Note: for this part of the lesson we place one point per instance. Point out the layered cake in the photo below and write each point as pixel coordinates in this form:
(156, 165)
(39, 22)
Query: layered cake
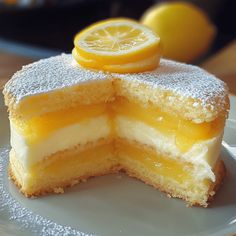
(162, 126)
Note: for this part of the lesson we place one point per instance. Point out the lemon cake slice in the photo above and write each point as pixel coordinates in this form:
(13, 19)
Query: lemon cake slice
(70, 122)
(164, 127)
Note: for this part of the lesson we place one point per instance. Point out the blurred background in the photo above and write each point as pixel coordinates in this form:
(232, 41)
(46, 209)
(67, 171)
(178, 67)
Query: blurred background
(36, 29)
(53, 23)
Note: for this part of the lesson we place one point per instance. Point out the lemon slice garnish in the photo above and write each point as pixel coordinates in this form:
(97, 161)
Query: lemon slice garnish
(117, 45)
(147, 64)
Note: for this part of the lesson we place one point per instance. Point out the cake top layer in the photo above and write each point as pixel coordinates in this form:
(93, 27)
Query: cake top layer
(47, 75)
(184, 81)
(62, 71)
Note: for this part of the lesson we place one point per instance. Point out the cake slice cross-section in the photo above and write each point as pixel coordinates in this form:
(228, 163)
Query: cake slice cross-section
(163, 127)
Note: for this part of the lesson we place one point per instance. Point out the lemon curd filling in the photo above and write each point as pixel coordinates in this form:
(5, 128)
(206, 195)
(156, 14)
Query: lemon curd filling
(186, 132)
(155, 162)
(75, 162)
(37, 128)
(89, 160)
(67, 167)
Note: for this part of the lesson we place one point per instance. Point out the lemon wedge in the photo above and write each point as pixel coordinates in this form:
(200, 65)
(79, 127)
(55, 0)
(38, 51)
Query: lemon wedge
(117, 45)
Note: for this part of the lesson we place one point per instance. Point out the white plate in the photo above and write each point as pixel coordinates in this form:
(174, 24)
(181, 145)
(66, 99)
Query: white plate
(114, 205)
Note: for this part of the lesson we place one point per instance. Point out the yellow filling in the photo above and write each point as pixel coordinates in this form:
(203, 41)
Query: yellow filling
(68, 163)
(186, 132)
(156, 163)
(88, 161)
(40, 127)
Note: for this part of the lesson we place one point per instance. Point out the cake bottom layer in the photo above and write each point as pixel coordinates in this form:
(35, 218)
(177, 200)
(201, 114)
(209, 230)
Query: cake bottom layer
(63, 169)
(71, 166)
(168, 175)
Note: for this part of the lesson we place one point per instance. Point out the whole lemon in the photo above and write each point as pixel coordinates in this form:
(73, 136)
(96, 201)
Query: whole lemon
(186, 32)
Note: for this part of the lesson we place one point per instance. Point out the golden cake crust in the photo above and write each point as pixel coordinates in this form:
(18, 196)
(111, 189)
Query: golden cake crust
(179, 88)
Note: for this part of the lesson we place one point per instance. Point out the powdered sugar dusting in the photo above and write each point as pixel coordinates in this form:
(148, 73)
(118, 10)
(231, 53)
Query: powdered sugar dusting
(22, 217)
(47, 75)
(185, 80)
(62, 71)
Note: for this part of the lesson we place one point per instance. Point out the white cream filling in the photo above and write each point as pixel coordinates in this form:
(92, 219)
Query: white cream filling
(64, 138)
(203, 154)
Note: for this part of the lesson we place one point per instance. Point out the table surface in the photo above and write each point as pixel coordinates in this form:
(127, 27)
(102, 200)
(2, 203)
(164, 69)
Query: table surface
(223, 65)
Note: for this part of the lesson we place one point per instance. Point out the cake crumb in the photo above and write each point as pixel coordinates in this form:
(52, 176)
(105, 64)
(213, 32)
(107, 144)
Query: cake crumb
(58, 190)
(188, 205)
(168, 195)
(212, 193)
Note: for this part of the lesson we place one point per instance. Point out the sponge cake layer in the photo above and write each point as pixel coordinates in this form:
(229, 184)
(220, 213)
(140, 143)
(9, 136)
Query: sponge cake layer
(53, 83)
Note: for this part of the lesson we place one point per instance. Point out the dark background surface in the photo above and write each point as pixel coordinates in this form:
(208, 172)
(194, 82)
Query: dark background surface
(54, 24)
